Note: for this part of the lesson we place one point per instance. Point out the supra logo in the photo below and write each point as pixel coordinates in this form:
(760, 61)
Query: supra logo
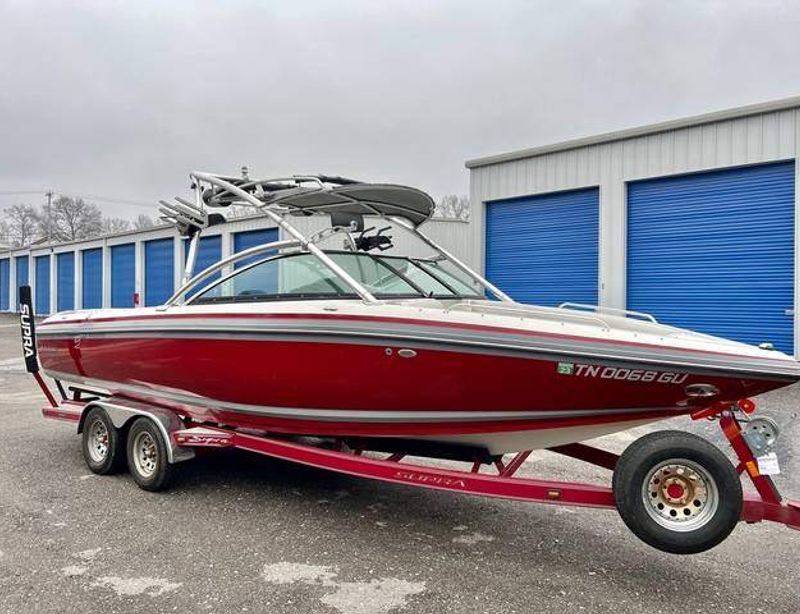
(27, 330)
(621, 374)
(434, 480)
(204, 440)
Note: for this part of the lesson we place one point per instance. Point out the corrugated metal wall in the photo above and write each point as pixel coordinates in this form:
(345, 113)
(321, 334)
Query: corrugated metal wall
(92, 278)
(42, 285)
(252, 238)
(5, 283)
(159, 259)
(123, 275)
(714, 252)
(65, 281)
(127, 254)
(209, 251)
(754, 139)
(22, 264)
(543, 249)
(743, 141)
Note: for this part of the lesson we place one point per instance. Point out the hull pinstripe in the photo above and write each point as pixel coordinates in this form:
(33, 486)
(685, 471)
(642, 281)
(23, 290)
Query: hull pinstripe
(343, 375)
(537, 347)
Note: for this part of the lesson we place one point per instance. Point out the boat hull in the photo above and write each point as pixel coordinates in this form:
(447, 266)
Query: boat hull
(372, 383)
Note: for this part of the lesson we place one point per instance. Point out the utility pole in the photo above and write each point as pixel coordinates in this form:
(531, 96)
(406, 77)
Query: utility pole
(49, 195)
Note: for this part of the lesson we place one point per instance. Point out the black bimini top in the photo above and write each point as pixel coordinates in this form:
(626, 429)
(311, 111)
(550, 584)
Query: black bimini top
(323, 194)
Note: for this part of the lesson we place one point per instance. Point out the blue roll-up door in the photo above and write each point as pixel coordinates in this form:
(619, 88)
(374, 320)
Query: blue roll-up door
(5, 284)
(42, 286)
(23, 263)
(209, 252)
(92, 278)
(543, 249)
(251, 238)
(159, 266)
(123, 275)
(266, 279)
(65, 281)
(714, 252)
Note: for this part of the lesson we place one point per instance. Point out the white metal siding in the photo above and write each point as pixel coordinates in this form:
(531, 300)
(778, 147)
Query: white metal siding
(767, 137)
(452, 235)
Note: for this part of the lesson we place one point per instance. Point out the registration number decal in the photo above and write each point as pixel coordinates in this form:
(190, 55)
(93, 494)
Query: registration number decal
(620, 373)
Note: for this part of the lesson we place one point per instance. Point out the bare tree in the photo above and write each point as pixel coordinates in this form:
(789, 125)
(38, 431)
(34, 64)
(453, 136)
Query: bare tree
(67, 219)
(143, 222)
(21, 224)
(71, 219)
(5, 234)
(452, 206)
(113, 225)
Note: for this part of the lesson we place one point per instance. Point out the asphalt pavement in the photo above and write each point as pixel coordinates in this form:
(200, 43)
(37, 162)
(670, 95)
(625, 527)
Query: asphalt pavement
(242, 533)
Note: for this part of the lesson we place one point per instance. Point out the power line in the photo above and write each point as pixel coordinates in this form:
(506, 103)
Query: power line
(49, 195)
(107, 199)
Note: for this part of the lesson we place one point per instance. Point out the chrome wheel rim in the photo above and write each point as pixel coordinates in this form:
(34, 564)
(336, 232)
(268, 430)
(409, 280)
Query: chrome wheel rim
(145, 454)
(98, 441)
(680, 495)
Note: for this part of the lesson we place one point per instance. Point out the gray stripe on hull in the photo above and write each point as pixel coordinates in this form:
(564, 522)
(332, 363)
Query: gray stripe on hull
(440, 340)
(360, 415)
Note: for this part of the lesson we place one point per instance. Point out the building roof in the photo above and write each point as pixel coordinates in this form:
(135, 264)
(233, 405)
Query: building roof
(618, 135)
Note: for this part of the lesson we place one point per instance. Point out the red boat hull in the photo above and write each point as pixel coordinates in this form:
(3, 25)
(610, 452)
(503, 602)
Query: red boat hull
(308, 387)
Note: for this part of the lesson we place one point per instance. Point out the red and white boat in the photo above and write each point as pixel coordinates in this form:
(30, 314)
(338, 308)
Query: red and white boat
(402, 348)
(388, 352)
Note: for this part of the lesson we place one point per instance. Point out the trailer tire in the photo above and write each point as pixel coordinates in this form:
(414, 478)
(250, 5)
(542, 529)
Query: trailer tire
(102, 443)
(147, 456)
(677, 492)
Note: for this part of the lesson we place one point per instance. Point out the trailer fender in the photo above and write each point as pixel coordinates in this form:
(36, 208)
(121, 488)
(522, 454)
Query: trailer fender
(122, 411)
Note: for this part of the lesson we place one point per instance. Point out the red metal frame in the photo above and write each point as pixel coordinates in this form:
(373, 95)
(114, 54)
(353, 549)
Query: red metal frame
(766, 506)
(388, 470)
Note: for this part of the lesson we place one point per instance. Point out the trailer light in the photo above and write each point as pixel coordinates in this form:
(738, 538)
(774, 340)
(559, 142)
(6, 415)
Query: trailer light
(748, 406)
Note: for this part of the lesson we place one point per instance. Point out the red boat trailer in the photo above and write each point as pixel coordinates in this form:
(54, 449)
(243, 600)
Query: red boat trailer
(503, 483)
(674, 490)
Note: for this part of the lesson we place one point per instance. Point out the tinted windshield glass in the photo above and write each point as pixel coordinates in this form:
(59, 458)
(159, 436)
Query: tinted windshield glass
(374, 275)
(451, 276)
(300, 276)
(430, 286)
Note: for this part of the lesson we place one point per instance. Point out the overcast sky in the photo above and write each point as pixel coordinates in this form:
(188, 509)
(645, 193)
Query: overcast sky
(123, 99)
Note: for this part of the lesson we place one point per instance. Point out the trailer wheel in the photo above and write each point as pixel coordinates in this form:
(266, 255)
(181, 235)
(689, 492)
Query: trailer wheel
(147, 456)
(102, 443)
(677, 492)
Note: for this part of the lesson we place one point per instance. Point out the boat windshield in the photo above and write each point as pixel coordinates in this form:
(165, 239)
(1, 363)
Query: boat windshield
(302, 276)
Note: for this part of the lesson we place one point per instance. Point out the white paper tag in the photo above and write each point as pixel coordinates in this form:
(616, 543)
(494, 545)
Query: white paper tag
(768, 464)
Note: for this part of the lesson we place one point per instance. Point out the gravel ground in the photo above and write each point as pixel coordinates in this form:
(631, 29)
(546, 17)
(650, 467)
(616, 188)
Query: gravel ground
(240, 533)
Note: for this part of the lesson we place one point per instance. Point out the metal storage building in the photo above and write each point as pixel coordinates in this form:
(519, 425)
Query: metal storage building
(145, 267)
(692, 220)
